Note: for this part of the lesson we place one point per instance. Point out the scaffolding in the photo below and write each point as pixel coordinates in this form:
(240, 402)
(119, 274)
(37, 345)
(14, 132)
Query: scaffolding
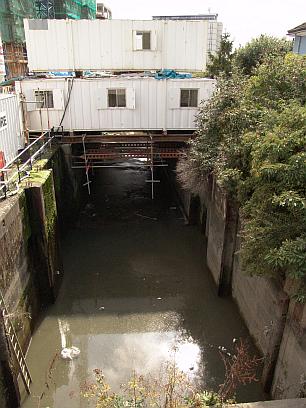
(62, 9)
(74, 9)
(16, 61)
(110, 150)
(45, 9)
(12, 13)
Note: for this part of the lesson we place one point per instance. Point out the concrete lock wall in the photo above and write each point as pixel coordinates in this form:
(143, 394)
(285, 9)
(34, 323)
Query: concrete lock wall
(290, 372)
(30, 264)
(275, 320)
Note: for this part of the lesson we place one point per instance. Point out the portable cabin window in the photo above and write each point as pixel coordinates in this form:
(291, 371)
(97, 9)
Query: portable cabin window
(116, 98)
(189, 98)
(143, 40)
(44, 99)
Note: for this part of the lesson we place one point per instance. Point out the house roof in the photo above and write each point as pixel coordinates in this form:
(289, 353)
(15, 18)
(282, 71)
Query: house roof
(301, 27)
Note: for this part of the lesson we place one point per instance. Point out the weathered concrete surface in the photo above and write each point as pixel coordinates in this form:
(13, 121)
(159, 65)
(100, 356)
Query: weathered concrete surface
(263, 305)
(15, 264)
(290, 372)
(216, 235)
(67, 185)
(44, 242)
(16, 286)
(278, 330)
(288, 403)
(30, 260)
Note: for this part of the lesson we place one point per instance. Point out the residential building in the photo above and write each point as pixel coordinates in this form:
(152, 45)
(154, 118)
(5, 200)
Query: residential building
(299, 34)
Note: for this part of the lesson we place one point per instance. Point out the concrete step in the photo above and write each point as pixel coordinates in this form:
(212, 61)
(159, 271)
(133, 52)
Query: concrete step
(285, 403)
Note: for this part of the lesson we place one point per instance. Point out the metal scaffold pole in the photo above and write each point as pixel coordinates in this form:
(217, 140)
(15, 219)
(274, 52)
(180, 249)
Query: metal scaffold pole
(45, 9)
(152, 181)
(86, 166)
(152, 169)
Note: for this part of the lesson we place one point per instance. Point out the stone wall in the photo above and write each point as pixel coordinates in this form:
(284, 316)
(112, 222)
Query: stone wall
(16, 281)
(30, 263)
(275, 321)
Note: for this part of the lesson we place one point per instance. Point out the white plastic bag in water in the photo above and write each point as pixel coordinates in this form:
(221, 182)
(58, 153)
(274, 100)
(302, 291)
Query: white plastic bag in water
(69, 353)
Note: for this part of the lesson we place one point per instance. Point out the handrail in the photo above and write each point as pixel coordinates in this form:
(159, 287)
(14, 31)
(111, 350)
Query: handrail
(24, 150)
(13, 172)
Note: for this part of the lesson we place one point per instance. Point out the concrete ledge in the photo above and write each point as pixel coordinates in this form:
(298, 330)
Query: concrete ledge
(285, 403)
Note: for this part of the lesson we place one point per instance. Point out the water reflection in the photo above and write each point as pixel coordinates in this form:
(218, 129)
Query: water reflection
(133, 289)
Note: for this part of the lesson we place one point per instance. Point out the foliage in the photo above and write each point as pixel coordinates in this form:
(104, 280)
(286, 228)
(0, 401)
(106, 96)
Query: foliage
(259, 50)
(240, 368)
(252, 137)
(221, 62)
(275, 214)
(172, 388)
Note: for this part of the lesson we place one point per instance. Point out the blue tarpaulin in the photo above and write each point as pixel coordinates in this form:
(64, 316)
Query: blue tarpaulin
(62, 74)
(170, 74)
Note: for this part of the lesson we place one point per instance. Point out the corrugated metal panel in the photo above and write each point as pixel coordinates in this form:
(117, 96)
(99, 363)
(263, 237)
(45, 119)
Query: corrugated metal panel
(11, 138)
(109, 45)
(88, 109)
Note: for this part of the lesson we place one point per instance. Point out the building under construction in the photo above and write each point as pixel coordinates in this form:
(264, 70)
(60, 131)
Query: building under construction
(12, 13)
(62, 9)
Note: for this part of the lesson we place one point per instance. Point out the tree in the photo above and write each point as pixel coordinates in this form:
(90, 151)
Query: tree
(221, 62)
(258, 50)
(274, 217)
(252, 137)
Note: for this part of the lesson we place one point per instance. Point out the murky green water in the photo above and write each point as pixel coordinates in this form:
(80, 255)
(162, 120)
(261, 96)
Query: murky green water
(134, 287)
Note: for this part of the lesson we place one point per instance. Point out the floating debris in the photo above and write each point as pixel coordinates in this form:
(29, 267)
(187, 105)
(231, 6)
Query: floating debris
(145, 216)
(69, 353)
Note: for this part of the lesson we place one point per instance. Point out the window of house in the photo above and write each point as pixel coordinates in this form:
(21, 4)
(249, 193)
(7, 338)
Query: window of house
(116, 98)
(44, 99)
(189, 98)
(143, 40)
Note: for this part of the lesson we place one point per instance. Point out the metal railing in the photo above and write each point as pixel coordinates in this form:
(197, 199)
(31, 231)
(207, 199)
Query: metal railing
(19, 168)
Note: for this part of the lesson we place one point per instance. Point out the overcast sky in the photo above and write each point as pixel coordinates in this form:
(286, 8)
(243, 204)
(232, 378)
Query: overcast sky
(243, 19)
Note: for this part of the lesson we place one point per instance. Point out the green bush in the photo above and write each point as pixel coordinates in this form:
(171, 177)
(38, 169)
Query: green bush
(251, 136)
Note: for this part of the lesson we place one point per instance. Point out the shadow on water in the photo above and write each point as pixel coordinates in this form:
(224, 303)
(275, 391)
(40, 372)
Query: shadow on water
(135, 285)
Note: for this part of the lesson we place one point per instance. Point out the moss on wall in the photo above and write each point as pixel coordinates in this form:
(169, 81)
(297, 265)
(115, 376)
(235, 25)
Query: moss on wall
(44, 179)
(11, 243)
(31, 246)
(25, 314)
(24, 216)
(50, 206)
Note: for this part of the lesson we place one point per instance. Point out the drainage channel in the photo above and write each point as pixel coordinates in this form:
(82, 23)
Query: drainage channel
(135, 288)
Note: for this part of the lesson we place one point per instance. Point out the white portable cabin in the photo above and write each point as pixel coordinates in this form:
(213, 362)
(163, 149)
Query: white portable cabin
(120, 45)
(11, 135)
(115, 103)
